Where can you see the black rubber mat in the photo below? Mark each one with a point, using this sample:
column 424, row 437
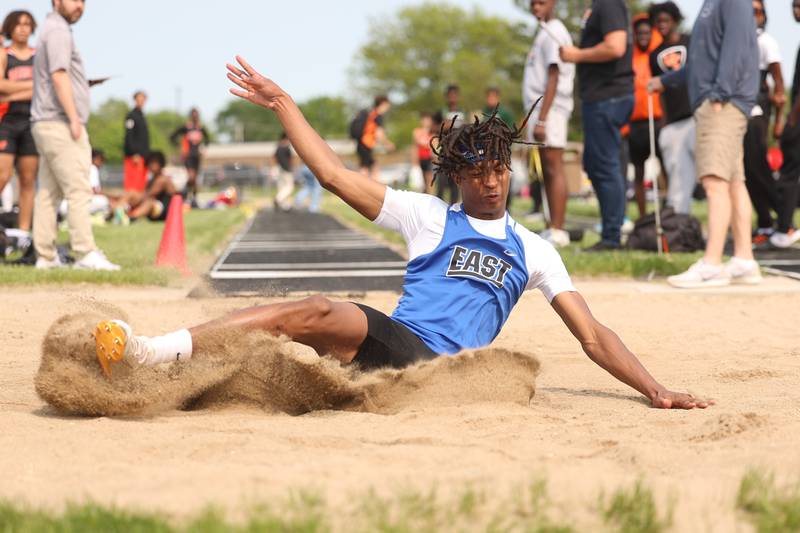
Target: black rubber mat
column 780, row 261
column 280, row 253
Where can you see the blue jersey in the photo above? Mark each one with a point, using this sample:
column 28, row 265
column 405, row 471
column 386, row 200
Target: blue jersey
column 460, row 294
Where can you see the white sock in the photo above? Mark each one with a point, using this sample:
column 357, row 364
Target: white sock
column 175, row 346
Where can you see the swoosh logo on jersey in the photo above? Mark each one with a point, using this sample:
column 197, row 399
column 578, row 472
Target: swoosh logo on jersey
column 510, row 253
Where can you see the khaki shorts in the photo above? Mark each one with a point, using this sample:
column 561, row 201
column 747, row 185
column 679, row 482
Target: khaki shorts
column 720, row 142
column 555, row 128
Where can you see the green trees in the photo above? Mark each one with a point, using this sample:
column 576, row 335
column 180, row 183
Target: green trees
column 242, row 121
column 107, row 129
column 416, row 54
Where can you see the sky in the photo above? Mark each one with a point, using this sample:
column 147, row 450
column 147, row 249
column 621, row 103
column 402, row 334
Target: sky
column 176, row 50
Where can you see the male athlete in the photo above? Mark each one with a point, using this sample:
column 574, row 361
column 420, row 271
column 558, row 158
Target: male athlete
column 468, row 265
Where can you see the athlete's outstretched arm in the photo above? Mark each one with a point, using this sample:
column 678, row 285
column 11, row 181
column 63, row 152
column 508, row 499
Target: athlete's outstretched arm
column 605, row 348
column 360, row 192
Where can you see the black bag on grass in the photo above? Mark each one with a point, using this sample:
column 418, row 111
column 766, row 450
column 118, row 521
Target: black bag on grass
column 682, row 233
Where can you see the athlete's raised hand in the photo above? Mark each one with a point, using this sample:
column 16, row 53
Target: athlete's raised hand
column 254, row 87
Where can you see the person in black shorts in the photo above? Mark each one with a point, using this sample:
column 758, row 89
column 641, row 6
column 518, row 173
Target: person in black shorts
column 192, row 136
column 372, row 135
column 468, row 266
column 153, row 203
column 16, row 89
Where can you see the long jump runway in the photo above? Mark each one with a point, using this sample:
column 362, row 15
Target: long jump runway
column 278, row 253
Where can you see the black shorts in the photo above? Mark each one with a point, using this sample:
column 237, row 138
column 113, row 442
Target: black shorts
column 16, row 137
column 425, row 165
column 365, row 157
column 639, row 142
column 389, row 343
column 192, row 163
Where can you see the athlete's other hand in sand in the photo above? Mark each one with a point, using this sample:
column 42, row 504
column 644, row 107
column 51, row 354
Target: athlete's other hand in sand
column 468, row 265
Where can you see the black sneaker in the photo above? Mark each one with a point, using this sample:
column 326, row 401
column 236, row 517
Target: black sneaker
column 602, row 246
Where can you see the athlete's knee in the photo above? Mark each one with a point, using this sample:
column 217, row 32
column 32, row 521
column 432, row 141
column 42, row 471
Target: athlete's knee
column 316, row 309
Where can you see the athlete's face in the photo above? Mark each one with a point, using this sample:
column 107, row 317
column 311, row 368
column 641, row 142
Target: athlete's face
column 71, row 10
column 140, row 99
column 796, row 10
column 484, row 189
column 665, row 24
column 23, row 30
column 541, row 9
column 643, row 34
column 155, row 167
column 758, row 13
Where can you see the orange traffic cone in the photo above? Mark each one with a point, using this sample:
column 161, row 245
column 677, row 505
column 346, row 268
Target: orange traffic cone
column 172, row 250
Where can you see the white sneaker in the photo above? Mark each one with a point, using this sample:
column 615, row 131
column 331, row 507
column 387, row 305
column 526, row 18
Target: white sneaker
column 784, row 240
column 700, row 275
column 557, row 237
column 627, row 226
column 47, row 264
column 95, row 260
column 744, row 271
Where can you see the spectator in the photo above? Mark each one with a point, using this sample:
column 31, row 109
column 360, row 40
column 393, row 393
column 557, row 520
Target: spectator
column 788, row 184
column 722, row 72
column 758, row 174
column 676, row 139
column 99, row 203
column 422, row 155
column 639, row 135
column 59, row 112
column 493, row 102
column 372, row 135
column 311, row 189
column 453, row 115
column 605, row 77
column 193, row 136
column 550, row 78
column 284, row 159
column 137, row 145
column 153, row 202
column 16, row 141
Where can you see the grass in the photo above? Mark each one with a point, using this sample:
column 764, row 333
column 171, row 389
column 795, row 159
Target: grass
column 634, row 510
column 527, row 509
column 134, row 248
column 771, row 509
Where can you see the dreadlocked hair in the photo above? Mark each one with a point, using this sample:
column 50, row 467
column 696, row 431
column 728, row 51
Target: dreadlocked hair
column 489, row 140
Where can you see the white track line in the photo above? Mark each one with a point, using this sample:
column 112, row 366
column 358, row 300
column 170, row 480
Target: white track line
column 778, row 272
column 302, row 274
column 232, row 245
column 295, row 246
column 779, row 262
column 345, row 266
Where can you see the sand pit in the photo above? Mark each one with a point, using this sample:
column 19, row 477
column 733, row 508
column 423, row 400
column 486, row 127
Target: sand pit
column 582, row 431
column 257, row 369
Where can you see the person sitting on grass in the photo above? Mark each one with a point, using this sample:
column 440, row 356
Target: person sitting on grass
column 469, row 264
column 154, row 201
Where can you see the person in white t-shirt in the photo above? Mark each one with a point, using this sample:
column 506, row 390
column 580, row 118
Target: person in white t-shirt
column 546, row 76
column 468, row 265
column 758, row 176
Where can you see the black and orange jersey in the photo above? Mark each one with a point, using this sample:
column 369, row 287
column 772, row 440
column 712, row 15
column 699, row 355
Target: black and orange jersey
column 17, row 70
column 192, row 136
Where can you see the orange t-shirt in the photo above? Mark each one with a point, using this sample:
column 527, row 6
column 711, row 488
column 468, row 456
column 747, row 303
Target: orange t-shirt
column 642, row 75
column 371, row 126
